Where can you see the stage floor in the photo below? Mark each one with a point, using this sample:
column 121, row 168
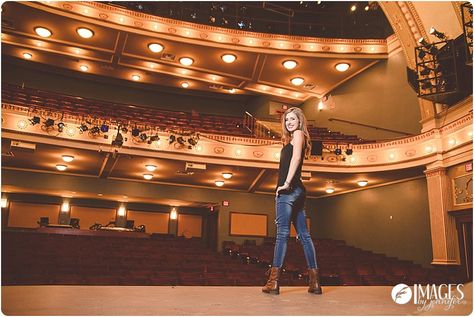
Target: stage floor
column 209, row 300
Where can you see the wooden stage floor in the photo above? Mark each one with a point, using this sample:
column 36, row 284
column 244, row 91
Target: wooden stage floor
column 209, row 300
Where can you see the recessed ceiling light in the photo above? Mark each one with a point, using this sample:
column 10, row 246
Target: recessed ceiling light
column 147, row 176
column 219, row 183
column 150, row 167
column 297, row 81
column 186, row 61
column 61, row 167
column 342, row 67
column 85, row 33
column 362, row 183
column 366, row 8
column 330, row 190
column 43, row 32
column 155, row 47
column 290, row 64
column 232, row 90
column 227, row 175
column 229, row 58
column 185, row 84
column 68, row 158
column 84, row 68
column 353, row 8
column 136, row 77
column 27, row 56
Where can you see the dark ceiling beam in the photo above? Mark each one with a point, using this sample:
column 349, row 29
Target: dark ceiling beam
column 110, row 160
column 258, row 180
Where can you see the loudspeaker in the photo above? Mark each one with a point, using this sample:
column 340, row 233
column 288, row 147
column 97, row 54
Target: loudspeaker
column 317, row 148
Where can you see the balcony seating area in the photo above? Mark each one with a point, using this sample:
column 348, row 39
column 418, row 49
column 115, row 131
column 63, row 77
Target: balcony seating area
column 341, row 264
column 162, row 120
column 324, row 134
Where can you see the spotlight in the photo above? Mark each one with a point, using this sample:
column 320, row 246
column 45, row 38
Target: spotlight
column 423, row 42
column 104, row 128
column 224, row 21
column 135, row 132
column 349, row 151
column 143, row 137
column 49, row 123
column 437, row 33
column 83, row 127
column 180, row 140
column 193, row 15
column 241, row 24
column 338, row 151
column 154, row 138
column 60, row 127
column 434, row 50
column 426, row 85
column 212, row 19
column 95, row 130
column 172, row 138
column 192, row 141
column 421, row 54
column 35, row 120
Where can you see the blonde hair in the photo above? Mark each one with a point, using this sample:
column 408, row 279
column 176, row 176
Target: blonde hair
column 286, row 135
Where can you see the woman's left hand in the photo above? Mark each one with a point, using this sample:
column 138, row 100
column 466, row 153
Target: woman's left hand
column 279, row 188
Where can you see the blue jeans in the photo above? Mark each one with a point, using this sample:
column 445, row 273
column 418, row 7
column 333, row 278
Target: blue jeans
column 290, row 208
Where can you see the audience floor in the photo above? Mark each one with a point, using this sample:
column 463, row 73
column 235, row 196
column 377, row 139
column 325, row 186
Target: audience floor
column 209, row 300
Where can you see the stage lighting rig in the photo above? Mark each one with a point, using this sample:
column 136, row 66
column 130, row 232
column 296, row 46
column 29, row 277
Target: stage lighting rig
column 438, row 34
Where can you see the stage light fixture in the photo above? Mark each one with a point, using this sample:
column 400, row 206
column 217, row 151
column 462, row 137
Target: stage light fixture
column 349, row 151
column 338, row 151
column 104, row 128
column 35, row 120
column 212, row 19
column 83, row 127
column 423, row 42
column 241, row 24
column 172, row 138
column 180, row 140
column 49, row 123
column 438, row 34
column 61, row 126
column 153, row 138
column 425, row 71
column 421, row 54
column 143, row 137
column 135, row 132
column 224, row 21
column 118, row 141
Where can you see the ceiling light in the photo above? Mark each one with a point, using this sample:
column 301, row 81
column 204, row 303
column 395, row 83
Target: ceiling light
column 136, row 77
column 147, row 176
column 150, row 167
column 366, row 8
column 174, row 214
column 85, row 33
column 61, row 167
column 353, row 8
column 290, row 64
column 229, row 58
column 362, row 183
column 68, row 158
column 185, row 84
column 186, row 61
column 27, row 56
column 155, row 47
column 297, row 81
column 330, row 190
column 219, row 183
column 4, row 202
column 84, row 68
column 232, row 90
column 43, row 32
column 227, row 175
column 342, row 67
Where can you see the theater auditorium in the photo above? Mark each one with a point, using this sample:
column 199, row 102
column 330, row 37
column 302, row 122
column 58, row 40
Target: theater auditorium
column 141, row 147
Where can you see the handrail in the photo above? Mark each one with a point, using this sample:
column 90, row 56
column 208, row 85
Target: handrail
column 370, row 126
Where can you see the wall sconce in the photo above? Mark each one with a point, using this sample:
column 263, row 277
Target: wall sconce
column 122, row 211
column 4, row 202
column 173, row 214
column 65, row 207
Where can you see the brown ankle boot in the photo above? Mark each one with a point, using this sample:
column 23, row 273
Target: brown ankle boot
column 272, row 286
column 314, row 285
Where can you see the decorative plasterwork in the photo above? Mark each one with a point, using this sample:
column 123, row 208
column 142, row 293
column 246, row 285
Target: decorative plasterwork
column 417, row 150
column 186, row 31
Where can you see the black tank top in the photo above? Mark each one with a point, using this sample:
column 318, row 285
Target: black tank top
column 285, row 158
